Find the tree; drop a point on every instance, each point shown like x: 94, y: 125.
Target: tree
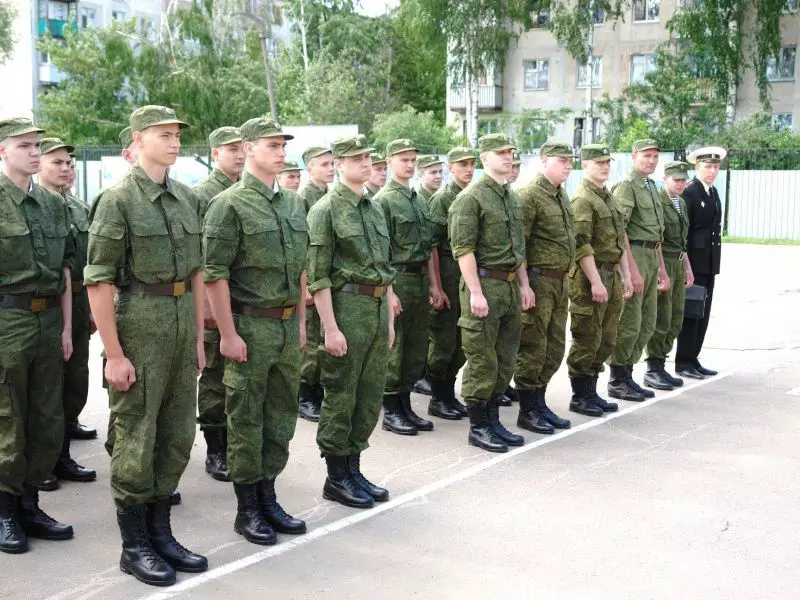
x: 530, y: 128
x: 7, y: 38
x: 423, y: 129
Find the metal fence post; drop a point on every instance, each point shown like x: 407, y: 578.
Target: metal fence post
x: 85, y: 177
x: 727, y: 198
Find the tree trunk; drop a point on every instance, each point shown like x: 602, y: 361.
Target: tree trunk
x: 304, y: 40
x: 588, y: 124
x: 471, y: 111
x: 731, y: 96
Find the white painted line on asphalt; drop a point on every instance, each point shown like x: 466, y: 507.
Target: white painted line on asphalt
x: 315, y: 534
x: 794, y: 392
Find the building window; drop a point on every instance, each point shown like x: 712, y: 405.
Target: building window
x: 598, y: 15
x: 782, y: 68
x: 782, y: 121
x: 596, y: 68
x: 646, y: 10
x: 641, y: 65
x: 540, y: 18
x: 791, y: 6
x: 88, y: 17
x: 57, y: 11
x: 147, y: 28
x: 44, y: 58
x: 119, y: 15
x: 536, y: 74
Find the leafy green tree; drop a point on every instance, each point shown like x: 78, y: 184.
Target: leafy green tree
x: 529, y: 128
x: 426, y: 132
x: 7, y: 15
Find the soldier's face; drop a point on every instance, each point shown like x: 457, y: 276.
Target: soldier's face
x: 21, y: 153
x: 432, y: 177
x: 320, y: 168
x: 597, y: 170
x: 707, y: 172
x: 267, y: 154
x: 229, y: 158
x: 355, y: 169
x: 159, y: 143
x: 674, y: 187
x: 646, y: 161
x: 55, y: 169
x: 513, y: 175
x: 71, y: 172
x: 463, y: 171
x: 498, y: 163
x: 289, y: 180
x: 377, y: 178
x: 556, y: 168
x: 403, y: 165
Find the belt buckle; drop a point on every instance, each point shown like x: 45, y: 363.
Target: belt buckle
x: 377, y: 291
x: 287, y: 312
x: 38, y: 304
x: 658, y: 245
x: 511, y: 276
x: 682, y: 255
x: 179, y: 288
x: 77, y: 287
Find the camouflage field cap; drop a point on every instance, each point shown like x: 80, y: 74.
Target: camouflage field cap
x: 262, y: 127
x: 377, y: 158
x: 460, y: 153
x: 599, y: 152
x: 224, y: 135
x: 350, y: 145
x: 152, y: 115
x: 125, y: 137
x: 428, y: 160
x: 48, y: 145
x: 556, y: 148
x: 516, y: 159
x: 290, y: 165
x: 640, y: 145
x: 677, y: 170
x: 314, y: 152
x: 398, y: 146
x: 17, y: 126
x: 494, y: 142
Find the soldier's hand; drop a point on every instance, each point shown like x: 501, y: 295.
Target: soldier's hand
x: 627, y: 289
x: 335, y: 343
x: 120, y: 373
x: 637, y: 281
x: 209, y: 322
x: 66, y: 345
x: 397, y: 306
x: 303, y: 335
x: 233, y: 348
x: 437, y: 298
x: 391, y: 336
x: 309, y: 298
x: 528, y: 298
x: 663, y: 282
x: 478, y: 305
x: 688, y: 279
x: 599, y: 292
x: 201, y: 356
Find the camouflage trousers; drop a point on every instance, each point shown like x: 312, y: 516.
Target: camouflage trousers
x: 31, y: 406
x: 669, y: 318
x: 593, y: 325
x: 312, y: 353
x: 76, y: 370
x: 354, y: 383
x: 210, y: 390
x: 410, y: 351
x: 490, y: 344
x: 638, y: 320
x: 445, y: 354
x: 544, y: 334
x: 154, y: 421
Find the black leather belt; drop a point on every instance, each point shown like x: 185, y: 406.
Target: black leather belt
x: 499, y: 275
x: 175, y: 288
x: 29, y: 302
x: 279, y: 312
x: 643, y: 244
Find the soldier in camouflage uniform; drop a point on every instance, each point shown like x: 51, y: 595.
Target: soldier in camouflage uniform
x: 377, y: 178
x: 598, y: 281
x: 145, y: 249
x: 550, y: 253
x: 445, y: 354
x: 228, y: 156
x: 485, y: 223
x: 319, y: 164
x: 289, y: 177
x: 516, y: 167
x: 54, y: 177
x: 644, y: 224
x: 351, y: 277
x: 35, y: 336
x: 415, y: 260
x: 671, y: 303
x: 256, y: 238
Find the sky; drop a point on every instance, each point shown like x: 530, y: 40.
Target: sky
x: 374, y: 8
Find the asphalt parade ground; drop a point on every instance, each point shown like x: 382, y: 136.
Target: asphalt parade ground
x: 691, y: 495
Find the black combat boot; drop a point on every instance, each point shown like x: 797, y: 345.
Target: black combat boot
x: 417, y: 421
x: 273, y: 513
x: 455, y: 403
x: 50, y: 483
x: 675, y: 381
x: 175, y: 498
x: 599, y: 400
x: 481, y: 433
x: 341, y: 487
x: 440, y: 404
x: 308, y: 402
x: 512, y: 439
x: 13, y: 539
x: 582, y: 401
x: 378, y: 493
x: 423, y: 384
x: 620, y: 387
x: 394, y: 417
x: 216, y: 455
x: 159, y: 530
x: 502, y: 400
x: 530, y: 417
x: 76, y: 431
x: 250, y: 522
x: 68, y: 469
x: 36, y: 522
x: 548, y: 414
x: 632, y: 382
x: 656, y: 377
x: 139, y: 558
x: 511, y: 393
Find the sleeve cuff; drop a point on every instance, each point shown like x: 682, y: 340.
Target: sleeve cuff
x: 213, y: 273
x: 320, y: 284
x: 94, y: 274
x: 584, y: 251
x: 462, y: 250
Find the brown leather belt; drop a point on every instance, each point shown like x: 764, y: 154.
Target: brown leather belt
x: 77, y: 287
x: 376, y: 291
x: 418, y: 268
x: 278, y: 312
x: 606, y: 265
x: 176, y: 288
x: 29, y: 302
x: 499, y: 275
x: 643, y: 244
x: 554, y: 273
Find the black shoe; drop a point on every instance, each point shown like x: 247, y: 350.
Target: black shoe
x: 656, y: 377
x: 394, y: 417
x: 454, y: 402
x: 675, y: 381
x: 37, y: 523
x: 512, y: 439
x: 250, y: 523
x: 620, y: 388
x: 548, y: 414
x: 69, y: 470
x: 216, y: 454
x: 13, y: 539
x: 417, y: 421
x: 689, y: 371
x: 273, y: 513
x: 632, y: 382
x: 511, y: 393
x: 502, y: 400
x: 50, y: 483
x: 159, y: 529
x: 440, y: 403
x: 139, y: 558
x: 76, y: 431
x: 378, y: 493
x: 582, y: 401
x: 530, y: 417
x: 341, y: 487
x: 481, y: 433
x: 308, y: 408
x: 423, y: 386
x: 598, y: 400
x: 175, y: 498
x: 704, y: 371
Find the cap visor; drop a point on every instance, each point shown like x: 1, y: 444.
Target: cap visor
x: 180, y: 124
x: 69, y: 149
x: 401, y: 151
x: 26, y: 131
x: 359, y: 152
x: 232, y: 140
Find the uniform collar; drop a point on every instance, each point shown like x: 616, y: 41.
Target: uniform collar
x: 545, y: 184
x: 639, y: 180
x: 346, y: 193
x: 498, y: 189
x: 408, y: 192
x: 600, y: 191
x: 17, y: 194
x: 221, y: 177
x: 251, y: 181
x: 454, y: 186
x: 152, y: 189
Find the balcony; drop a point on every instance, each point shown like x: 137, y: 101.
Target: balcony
x: 55, y: 27
x: 490, y: 98
x: 49, y: 74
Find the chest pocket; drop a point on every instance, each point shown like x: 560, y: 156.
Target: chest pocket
x: 297, y: 247
x: 648, y: 208
x: 15, y: 247
x: 261, y: 241
x: 407, y: 230
x: 497, y: 227
x: 152, y: 252
x: 54, y: 235
x: 193, y: 241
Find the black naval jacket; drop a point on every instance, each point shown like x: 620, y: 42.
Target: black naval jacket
x: 705, y: 227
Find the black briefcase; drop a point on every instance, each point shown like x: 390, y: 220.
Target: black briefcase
x: 695, y: 302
